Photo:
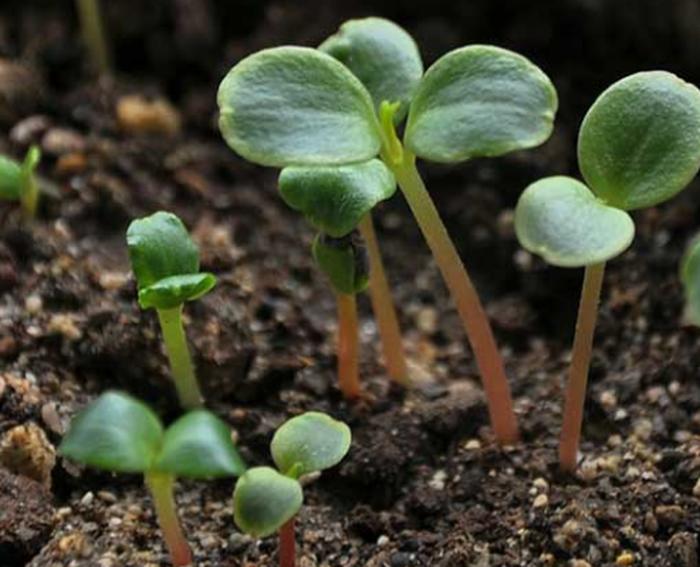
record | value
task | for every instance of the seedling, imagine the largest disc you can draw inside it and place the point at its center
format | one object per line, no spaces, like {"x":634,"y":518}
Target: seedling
{"x":266,"y":500}
{"x":690,"y":276}
{"x":120,"y":434}
{"x":336,"y":200}
{"x":18,"y":181}
{"x":638,"y":146}
{"x":94,"y":37}
{"x":166,"y":265}
{"x":299,"y":106}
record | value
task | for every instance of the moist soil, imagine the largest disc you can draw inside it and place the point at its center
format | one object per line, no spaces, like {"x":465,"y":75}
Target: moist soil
{"x":424,"y":483}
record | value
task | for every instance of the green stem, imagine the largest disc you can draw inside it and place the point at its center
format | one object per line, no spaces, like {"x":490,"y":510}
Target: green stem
{"x":93,"y":33}
{"x":580,"y":363}
{"x":179,"y":356}
{"x":383,"y":306}
{"x":474,"y":318}
{"x":348,"y":346}
{"x":161,"y":487}
{"x":287,"y":552}
{"x":30,"y":197}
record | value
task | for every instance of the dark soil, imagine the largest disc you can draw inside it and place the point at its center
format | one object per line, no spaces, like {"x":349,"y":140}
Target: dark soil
{"x":424,"y":484}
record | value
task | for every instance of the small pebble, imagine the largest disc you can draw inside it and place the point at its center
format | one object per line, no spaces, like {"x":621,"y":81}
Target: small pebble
{"x":33,"y":304}
{"x":541,"y":484}
{"x":382,"y":540}
{"x":696,"y":489}
{"x":87,"y":499}
{"x":669,"y":516}
{"x":472,"y":445}
{"x":137,"y":115}
{"x":540,"y":501}
{"x":59,"y":141}
{"x":438,"y":480}
{"x":107,"y":497}
{"x":624,"y":559}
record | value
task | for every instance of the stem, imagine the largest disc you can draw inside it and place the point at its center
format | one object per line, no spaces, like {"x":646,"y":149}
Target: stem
{"x":471,"y":311}
{"x":580,"y":362}
{"x":348,"y":346}
{"x":93,"y":33}
{"x":161,"y":487}
{"x":179,"y":356}
{"x":383,"y":306}
{"x":30,"y":197}
{"x":287,"y":545}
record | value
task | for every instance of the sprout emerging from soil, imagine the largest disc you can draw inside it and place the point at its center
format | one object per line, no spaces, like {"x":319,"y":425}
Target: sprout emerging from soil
{"x":266,"y":500}
{"x":118,"y":433}
{"x":638,"y":146}
{"x":166,"y":265}
{"x":18,"y":181}
{"x":94,"y":36}
{"x":690,"y":276}
{"x":475,"y":101}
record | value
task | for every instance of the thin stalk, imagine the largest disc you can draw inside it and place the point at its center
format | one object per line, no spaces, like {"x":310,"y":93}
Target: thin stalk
{"x":348,"y":346}
{"x":179,"y":356}
{"x":580,"y":363}
{"x":30,"y":197}
{"x":287,"y":550}
{"x":161,"y":487}
{"x":471,"y":311}
{"x":93,"y":33}
{"x":383,"y":306}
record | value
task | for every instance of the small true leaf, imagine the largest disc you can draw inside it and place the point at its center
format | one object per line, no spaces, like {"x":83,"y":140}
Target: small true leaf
{"x":264,"y":500}
{"x":561,"y":220}
{"x":10,"y":179}
{"x":116,"y":433}
{"x":296,"y":106}
{"x":480,"y":100}
{"x":310,"y":442}
{"x":382,"y":55}
{"x":639,"y":144}
{"x":199,"y":445}
{"x":343,"y":261}
{"x":690,"y":276}
{"x":334,"y":199}
{"x":175,"y":290}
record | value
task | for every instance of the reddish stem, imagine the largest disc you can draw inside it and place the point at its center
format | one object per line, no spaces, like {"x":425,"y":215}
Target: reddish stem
{"x":161,"y":487}
{"x":348,"y":346}
{"x":287,"y":545}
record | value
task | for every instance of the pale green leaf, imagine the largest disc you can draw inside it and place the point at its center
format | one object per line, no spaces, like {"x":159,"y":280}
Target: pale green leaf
{"x":10,"y":179}
{"x":175,"y":290}
{"x":344,"y":261}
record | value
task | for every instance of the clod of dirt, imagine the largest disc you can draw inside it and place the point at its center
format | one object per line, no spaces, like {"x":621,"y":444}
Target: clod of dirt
{"x":137,"y":115}
{"x":26,"y":450}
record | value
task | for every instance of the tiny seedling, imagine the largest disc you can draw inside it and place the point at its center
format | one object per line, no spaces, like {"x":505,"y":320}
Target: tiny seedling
{"x":295,"y":106}
{"x":94,"y":36}
{"x":120,"y":434}
{"x":638,"y":146}
{"x":690,"y":276}
{"x":266,"y":500}
{"x":165,"y":261}
{"x":18,"y":181}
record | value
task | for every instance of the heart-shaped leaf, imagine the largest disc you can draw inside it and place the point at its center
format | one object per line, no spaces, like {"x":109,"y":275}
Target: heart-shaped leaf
{"x":199,"y":445}
{"x":175,"y":290}
{"x":264,"y":500}
{"x":296,"y":106}
{"x":690,"y":276}
{"x":639,"y":144}
{"x":480,"y":100}
{"x":310,"y":442}
{"x":382,"y":55}
{"x":116,"y":433}
{"x":344,"y":261}
{"x":335,"y":198}
{"x":561,"y":220}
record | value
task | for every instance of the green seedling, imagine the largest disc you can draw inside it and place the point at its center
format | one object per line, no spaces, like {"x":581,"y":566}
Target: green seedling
{"x":94,"y":35}
{"x":336,"y":200}
{"x":638,"y":146}
{"x":166,"y":265}
{"x":266,"y":500}
{"x":690,"y":276}
{"x":120,"y":434}
{"x":295,"y":106}
{"x":18,"y":181}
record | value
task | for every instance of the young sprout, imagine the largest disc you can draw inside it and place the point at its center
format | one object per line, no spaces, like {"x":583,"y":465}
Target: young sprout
{"x":337,"y":200}
{"x":266,"y":500}
{"x":18,"y":181}
{"x":94,"y":36}
{"x":299,"y":106}
{"x":690,"y":276}
{"x":120,"y":434}
{"x":166,"y":265}
{"x":638,"y":146}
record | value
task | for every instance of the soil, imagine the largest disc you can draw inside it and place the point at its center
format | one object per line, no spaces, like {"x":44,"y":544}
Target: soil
{"x":424,"y":483}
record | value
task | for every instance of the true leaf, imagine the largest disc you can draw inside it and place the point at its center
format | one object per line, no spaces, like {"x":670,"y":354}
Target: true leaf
{"x":690,"y":276}
{"x":561,"y":220}
{"x":116,"y":433}
{"x":296,"y":106}
{"x":639,"y":143}
{"x":335,"y":198}
{"x":310,"y":442}
{"x":382,"y":55}
{"x":343,"y":262}
{"x":480,"y":100}
{"x":199,"y":445}
{"x":175,"y":290}
{"x":264,"y":500}
{"x":10,"y":179}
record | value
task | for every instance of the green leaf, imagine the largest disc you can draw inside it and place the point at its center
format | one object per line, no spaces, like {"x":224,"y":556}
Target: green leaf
{"x":382,"y":55}
{"x":335,"y":198}
{"x":199,"y":445}
{"x":310,"y":442}
{"x":480,"y":100}
{"x":343,"y":261}
{"x":560,"y":219}
{"x":264,"y":500}
{"x":116,"y":433}
{"x":690,"y":276}
{"x":296,"y":106}
{"x":175,"y":290}
{"x":639,"y":144}
{"x":10,"y":179}
{"x":160,"y":247}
